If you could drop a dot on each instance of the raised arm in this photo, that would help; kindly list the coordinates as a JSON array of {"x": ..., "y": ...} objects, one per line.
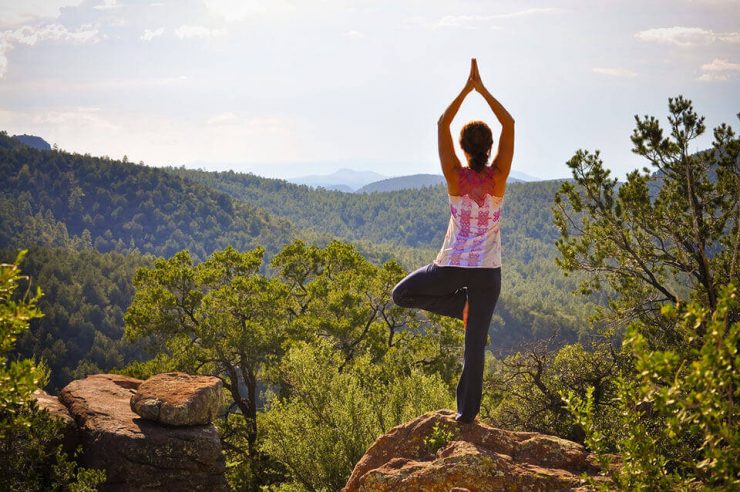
[
  {"x": 447, "y": 157},
  {"x": 505, "y": 154}
]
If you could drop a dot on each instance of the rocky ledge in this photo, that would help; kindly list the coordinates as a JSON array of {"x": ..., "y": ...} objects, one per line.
[
  {"x": 470, "y": 457},
  {"x": 138, "y": 453}
]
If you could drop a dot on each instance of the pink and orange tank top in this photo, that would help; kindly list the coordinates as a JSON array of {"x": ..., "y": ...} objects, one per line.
[{"x": 473, "y": 238}]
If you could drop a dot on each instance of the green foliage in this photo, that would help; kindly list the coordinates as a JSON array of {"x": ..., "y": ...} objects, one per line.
[
  {"x": 523, "y": 391},
  {"x": 677, "y": 419},
  {"x": 409, "y": 226},
  {"x": 412, "y": 218},
  {"x": 667, "y": 245},
  {"x": 31, "y": 454},
  {"x": 88, "y": 212},
  {"x": 57, "y": 197},
  {"x": 85, "y": 295},
  {"x": 658, "y": 237},
  {"x": 223, "y": 317},
  {"x": 330, "y": 417},
  {"x": 219, "y": 317},
  {"x": 438, "y": 438},
  {"x": 18, "y": 378}
]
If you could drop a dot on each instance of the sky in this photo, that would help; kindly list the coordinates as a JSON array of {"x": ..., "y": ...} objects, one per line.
[{"x": 285, "y": 88}]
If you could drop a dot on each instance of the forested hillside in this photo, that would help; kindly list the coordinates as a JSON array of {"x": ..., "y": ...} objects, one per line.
[
  {"x": 537, "y": 300},
  {"x": 403, "y": 183},
  {"x": 121, "y": 206},
  {"x": 85, "y": 208},
  {"x": 415, "y": 218}
]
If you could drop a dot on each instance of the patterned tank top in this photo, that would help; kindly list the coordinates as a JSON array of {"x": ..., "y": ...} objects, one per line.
[{"x": 473, "y": 238}]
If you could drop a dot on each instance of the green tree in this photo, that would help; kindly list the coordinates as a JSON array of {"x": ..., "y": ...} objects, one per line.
[
  {"x": 522, "y": 391},
  {"x": 219, "y": 317},
  {"x": 677, "y": 424},
  {"x": 31, "y": 456},
  {"x": 331, "y": 416},
  {"x": 223, "y": 317},
  {"x": 666, "y": 243},
  {"x": 661, "y": 236}
]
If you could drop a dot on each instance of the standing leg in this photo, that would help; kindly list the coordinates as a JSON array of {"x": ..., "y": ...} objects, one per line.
[
  {"x": 433, "y": 288},
  {"x": 482, "y": 297}
]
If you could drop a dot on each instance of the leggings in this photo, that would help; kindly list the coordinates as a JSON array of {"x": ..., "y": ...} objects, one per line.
[{"x": 444, "y": 290}]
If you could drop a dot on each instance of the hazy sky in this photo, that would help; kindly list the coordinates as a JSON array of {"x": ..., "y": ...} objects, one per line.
[{"x": 291, "y": 87}]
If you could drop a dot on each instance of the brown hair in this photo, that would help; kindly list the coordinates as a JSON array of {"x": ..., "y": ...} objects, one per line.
[{"x": 476, "y": 139}]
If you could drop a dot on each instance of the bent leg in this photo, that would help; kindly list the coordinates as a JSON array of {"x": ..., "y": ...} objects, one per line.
[
  {"x": 436, "y": 289},
  {"x": 482, "y": 302}
]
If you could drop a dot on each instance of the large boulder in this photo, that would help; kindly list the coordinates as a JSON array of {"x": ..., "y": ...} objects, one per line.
[
  {"x": 477, "y": 457},
  {"x": 138, "y": 453},
  {"x": 178, "y": 398}
]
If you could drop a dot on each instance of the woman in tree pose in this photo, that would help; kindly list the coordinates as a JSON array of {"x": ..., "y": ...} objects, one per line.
[{"x": 464, "y": 280}]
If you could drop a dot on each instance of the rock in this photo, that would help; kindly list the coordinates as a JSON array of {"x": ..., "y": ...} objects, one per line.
[
  {"x": 50, "y": 403},
  {"x": 478, "y": 458},
  {"x": 138, "y": 453},
  {"x": 177, "y": 398}
]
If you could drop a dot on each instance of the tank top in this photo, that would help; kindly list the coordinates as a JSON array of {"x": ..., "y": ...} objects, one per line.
[{"x": 473, "y": 238}]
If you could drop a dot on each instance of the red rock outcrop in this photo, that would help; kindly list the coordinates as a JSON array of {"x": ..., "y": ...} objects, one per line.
[
  {"x": 478, "y": 458},
  {"x": 137, "y": 453},
  {"x": 178, "y": 398}
]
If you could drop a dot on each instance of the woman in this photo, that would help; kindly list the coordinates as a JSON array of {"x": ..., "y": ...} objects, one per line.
[{"x": 464, "y": 281}]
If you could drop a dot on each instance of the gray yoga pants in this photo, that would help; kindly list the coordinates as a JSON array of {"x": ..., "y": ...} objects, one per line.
[{"x": 444, "y": 290}]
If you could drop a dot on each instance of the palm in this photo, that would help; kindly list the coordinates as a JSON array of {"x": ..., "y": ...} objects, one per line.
[{"x": 474, "y": 80}]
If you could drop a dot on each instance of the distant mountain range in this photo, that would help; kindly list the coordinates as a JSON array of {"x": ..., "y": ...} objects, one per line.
[
  {"x": 342, "y": 180},
  {"x": 416, "y": 181},
  {"x": 413, "y": 181},
  {"x": 520, "y": 176},
  {"x": 348, "y": 181}
]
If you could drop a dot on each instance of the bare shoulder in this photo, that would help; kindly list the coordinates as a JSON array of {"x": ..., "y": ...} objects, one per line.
[
  {"x": 452, "y": 176},
  {"x": 499, "y": 181}
]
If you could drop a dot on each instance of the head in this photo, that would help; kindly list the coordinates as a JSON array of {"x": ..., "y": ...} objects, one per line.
[{"x": 476, "y": 140}]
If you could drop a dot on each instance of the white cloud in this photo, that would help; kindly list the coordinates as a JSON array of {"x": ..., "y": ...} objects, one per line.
[
  {"x": 107, "y": 5},
  {"x": 257, "y": 125},
  {"x": 20, "y": 12},
  {"x": 79, "y": 117},
  {"x": 223, "y": 119},
  {"x": 711, "y": 77},
  {"x": 185, "y": 31},
  {"x": 150, "y": 34},
  {"x": 686, "y": 36},
  {"x": 353, "y": 34},
  {"x": 31, "y": 35},
  {"x": 720, "y": 65},
  {"x": 614, "y": 72},
  {"x": 4, "y": 48},
  {"x": 474, "y": 21},
  {"x": 718, "y": 69},
  {"x": 238, "y": 10}
]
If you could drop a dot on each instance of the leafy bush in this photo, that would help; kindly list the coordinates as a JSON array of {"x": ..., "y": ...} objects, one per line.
[
  {"x": 677, "y": 421},
  {"x": 31, "y": 456}
]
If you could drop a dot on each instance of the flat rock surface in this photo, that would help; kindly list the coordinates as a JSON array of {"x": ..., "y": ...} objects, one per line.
[
  {"x": 178, "y": 398},
  {"x": 478, "y": 458},
  {"x": 135, "y": 452}
]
